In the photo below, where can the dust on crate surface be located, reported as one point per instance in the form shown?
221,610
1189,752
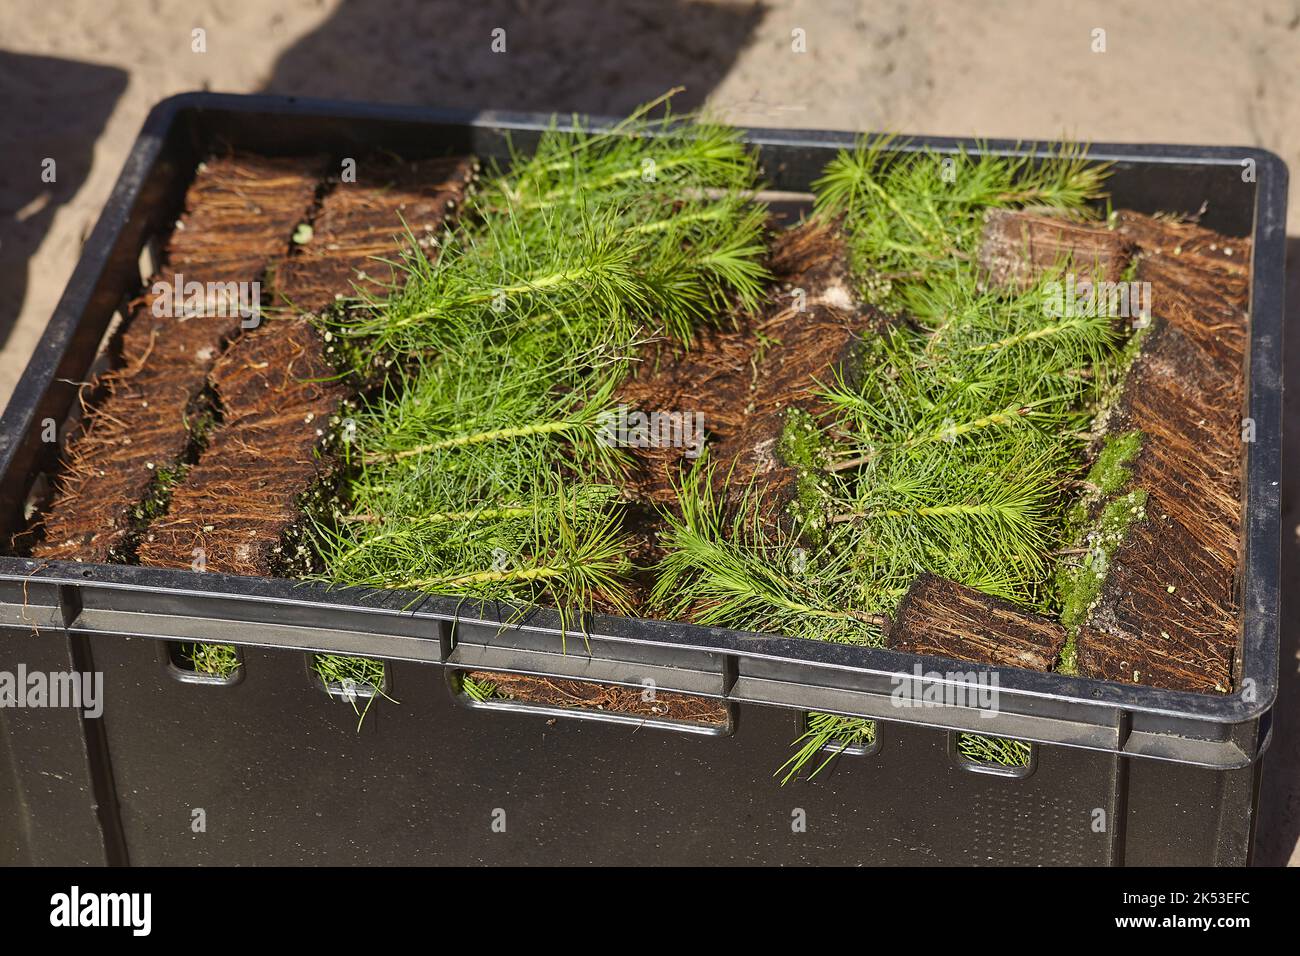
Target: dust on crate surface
210,440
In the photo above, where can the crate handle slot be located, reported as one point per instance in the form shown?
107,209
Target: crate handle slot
197,662
476,691
347,678
864,742
994,756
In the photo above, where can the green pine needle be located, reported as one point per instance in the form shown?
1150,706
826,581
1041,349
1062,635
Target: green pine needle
999,751
829,735
214,660
356,676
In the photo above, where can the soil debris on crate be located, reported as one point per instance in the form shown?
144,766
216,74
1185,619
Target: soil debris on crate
942,618
239,213
1166,614
277,387
1017,246
607,698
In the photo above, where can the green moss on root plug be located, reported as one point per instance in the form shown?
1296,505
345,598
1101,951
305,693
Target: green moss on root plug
157,499
1080,584
1079,579
1110,472
1109,475
801,440
801,446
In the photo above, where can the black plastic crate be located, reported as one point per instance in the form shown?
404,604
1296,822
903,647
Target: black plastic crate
1118,774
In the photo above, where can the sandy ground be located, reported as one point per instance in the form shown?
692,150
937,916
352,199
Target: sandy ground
77,78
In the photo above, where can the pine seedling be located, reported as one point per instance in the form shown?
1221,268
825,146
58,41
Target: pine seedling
950,444
520,426
563,546
671,154
478,690
724,567
966,420
355,677
649,222
214,660
829,735
957,510
993,366
421,544
488,441
912,217
579,272
999,751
